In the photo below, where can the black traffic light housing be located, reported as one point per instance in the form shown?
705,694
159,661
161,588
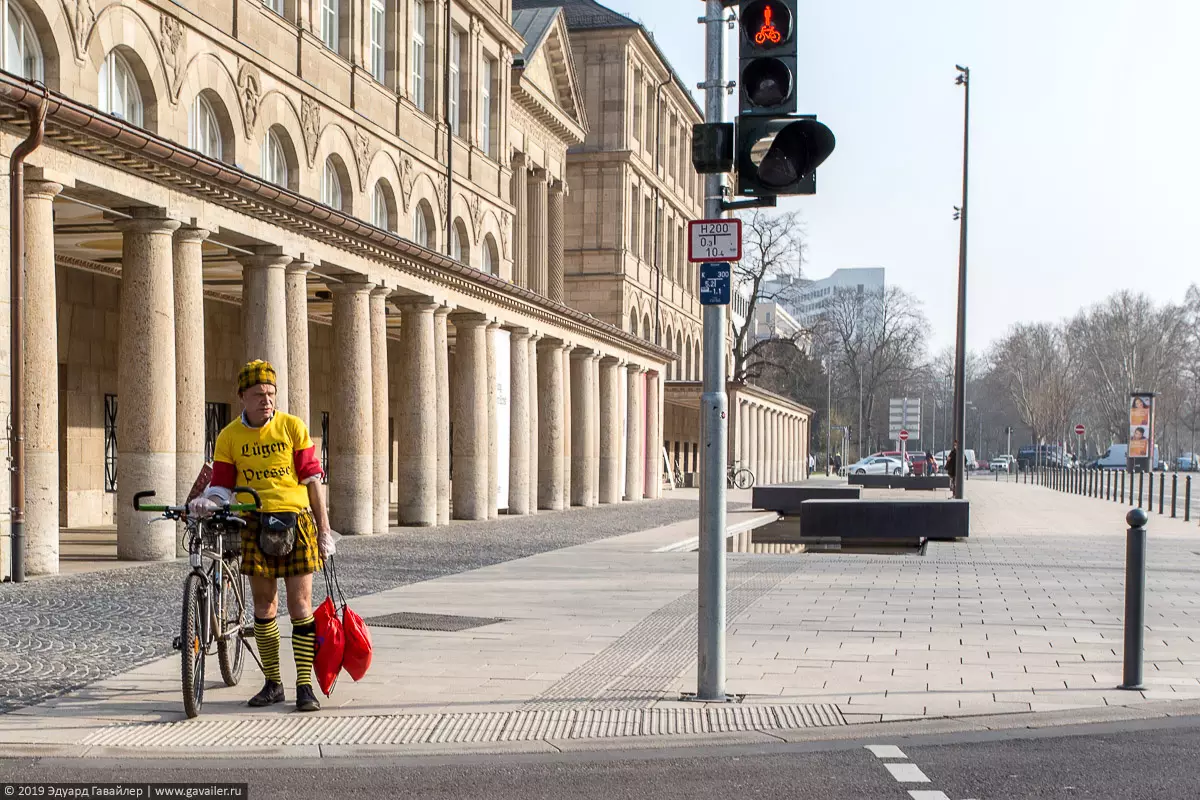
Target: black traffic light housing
780,155
767,56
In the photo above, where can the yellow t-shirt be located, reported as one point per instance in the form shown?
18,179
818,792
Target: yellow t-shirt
273,460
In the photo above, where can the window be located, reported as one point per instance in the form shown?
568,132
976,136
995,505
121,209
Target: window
110,443
423,225
119,92
635,228
674,159
274,160
378,38
330,13
331,185
455,81
22,53
648,239
204,132
460,246
487,106
417,90
491,256
216,417
275,5
637,104
633,322
381,207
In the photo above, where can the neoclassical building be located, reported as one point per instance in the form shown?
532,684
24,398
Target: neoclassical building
376,196
633,191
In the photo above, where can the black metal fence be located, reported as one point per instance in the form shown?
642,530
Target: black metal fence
1136,489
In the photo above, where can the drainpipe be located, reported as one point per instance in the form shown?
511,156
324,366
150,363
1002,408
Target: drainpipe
16,201
449,141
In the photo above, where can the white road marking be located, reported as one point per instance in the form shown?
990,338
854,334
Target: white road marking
907,773
925,794
886,751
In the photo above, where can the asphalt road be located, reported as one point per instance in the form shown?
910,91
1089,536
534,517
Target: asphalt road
1128,760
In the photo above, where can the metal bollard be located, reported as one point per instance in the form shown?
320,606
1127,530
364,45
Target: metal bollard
1135,599
1174,491
1141,487
1187,499
1162,488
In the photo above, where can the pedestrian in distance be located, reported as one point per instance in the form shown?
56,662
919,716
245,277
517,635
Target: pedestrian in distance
952,466
289,537
837,463
812,464
930,464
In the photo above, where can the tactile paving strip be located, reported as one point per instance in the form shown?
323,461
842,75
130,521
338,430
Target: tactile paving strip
483,728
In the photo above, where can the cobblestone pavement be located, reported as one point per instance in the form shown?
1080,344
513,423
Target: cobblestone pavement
59,634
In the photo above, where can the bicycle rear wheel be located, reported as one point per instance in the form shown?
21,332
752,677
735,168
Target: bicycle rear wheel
192,645
231,655
743,478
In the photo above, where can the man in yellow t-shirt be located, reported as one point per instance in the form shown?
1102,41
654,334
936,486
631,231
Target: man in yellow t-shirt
272,453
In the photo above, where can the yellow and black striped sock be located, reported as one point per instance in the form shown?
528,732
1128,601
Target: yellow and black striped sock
266,636
304,647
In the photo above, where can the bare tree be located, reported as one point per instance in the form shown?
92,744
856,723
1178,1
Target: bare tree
1036,366
770,271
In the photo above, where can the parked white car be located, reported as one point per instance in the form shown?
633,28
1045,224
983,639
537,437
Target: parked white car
877,465
1001,463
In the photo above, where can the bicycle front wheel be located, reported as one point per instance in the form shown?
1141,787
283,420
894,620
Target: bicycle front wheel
743,478
231,655
192,645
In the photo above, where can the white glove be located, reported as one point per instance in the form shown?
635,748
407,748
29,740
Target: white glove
326,543
203,506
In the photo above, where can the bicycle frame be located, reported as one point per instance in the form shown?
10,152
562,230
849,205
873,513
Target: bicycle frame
212,624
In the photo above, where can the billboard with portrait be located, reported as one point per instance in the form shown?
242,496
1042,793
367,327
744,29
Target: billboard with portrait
1141,429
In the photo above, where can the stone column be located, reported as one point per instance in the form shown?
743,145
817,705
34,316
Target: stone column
773,449
594,444
351,416
146,431
519,422
568,442
537,242
551,425
581,428
556,239
40,395
653,437
520,196
534,424
634,485
756,444
441,357
380,409
743,451
264,313
471,445
493,424
610,431
296,291
417,413
189,363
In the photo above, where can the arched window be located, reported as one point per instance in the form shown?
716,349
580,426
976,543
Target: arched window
670,364
633,322
460,245
696,360
687,361
383,207
646,327
423,225
491,255
204,129
22,53
331,185
274,160
119,92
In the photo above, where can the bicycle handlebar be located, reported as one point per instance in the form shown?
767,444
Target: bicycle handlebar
233,508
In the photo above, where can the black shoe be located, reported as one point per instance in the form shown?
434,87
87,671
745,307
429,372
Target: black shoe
306,700
270,694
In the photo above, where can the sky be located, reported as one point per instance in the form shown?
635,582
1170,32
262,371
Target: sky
1084,147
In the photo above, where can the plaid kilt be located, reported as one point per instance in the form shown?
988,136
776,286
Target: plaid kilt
304,559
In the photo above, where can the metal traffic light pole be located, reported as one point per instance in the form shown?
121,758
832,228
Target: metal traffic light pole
960,348
713,404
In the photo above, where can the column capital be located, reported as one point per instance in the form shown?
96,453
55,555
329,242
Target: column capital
442,311
299,265
517,332
188,233
416,302
548,343
494,325
519,160
42,189
580,353
557,187
382,291
539,175
353,284
146,220
469,319
610,361
634,369
264,258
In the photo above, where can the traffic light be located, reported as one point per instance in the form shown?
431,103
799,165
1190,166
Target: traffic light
777,151
767,54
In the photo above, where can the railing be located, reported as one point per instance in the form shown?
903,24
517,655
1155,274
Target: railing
1135,489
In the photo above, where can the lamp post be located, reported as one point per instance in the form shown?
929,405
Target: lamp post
960,347
829,416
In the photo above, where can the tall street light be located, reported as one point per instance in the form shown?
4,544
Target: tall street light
960,347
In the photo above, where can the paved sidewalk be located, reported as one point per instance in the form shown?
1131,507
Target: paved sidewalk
598,641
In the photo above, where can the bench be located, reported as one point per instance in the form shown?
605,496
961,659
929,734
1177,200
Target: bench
922,482
885,520
786,498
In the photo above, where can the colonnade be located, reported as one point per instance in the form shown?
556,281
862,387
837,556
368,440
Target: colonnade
770,441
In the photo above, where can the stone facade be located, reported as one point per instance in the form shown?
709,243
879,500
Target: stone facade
296,157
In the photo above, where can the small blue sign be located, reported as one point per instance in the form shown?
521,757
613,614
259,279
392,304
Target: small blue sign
715,283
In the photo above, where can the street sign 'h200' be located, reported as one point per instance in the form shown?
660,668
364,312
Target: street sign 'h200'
714,240
715,284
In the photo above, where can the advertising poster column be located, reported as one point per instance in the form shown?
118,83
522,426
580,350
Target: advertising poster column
1141,431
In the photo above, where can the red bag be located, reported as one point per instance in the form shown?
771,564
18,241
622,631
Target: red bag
331,645
358,644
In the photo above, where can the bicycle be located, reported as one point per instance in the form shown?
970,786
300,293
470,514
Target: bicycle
738,477
211,623
678,475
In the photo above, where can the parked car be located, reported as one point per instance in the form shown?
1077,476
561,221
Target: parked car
1187,463
1002,463
1116,457
909,457
1046,455
877,465
968,459
982,465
